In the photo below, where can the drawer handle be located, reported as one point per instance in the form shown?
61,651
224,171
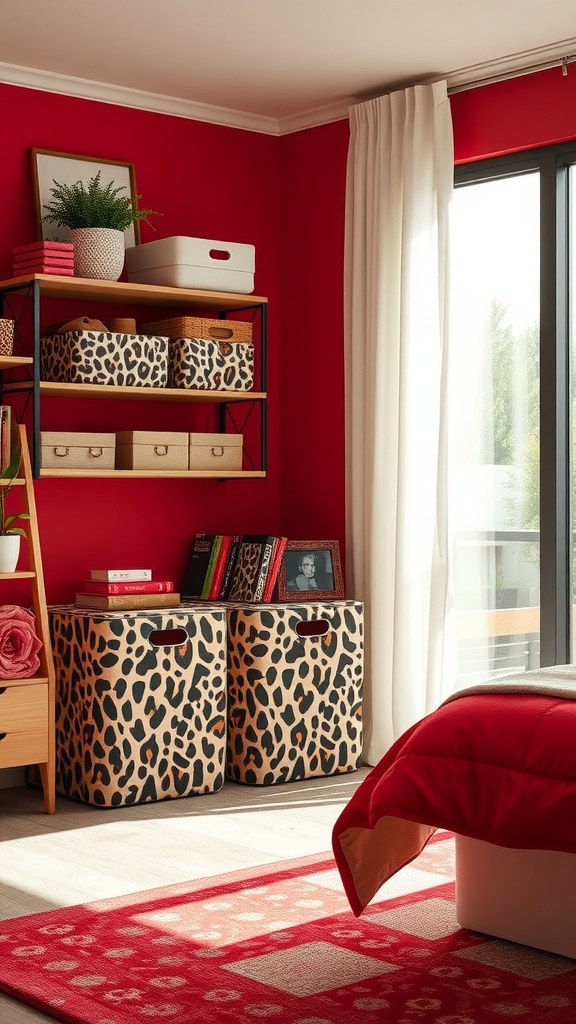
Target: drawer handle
3,690
61,453
218,452
161,449
95,453
3,736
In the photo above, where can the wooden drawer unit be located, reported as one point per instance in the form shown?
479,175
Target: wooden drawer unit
23,724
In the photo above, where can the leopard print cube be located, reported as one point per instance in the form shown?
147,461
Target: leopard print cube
94,357
140,714
294,700
205,364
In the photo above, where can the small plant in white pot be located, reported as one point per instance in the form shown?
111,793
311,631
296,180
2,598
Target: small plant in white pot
10,533
97,217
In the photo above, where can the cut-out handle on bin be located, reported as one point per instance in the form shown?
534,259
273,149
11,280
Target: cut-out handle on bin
313,627
169,637
219,254
221,333
161,449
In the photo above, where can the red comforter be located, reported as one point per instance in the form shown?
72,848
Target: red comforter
495,762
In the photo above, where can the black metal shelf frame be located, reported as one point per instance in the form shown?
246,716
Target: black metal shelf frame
30,386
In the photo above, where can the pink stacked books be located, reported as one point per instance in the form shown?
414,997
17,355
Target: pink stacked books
43,258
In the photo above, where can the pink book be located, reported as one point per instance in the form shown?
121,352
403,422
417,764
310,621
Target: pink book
45,259
42,268
44,247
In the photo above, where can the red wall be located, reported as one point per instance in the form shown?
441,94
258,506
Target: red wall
208,181
287,197
521,113
313,179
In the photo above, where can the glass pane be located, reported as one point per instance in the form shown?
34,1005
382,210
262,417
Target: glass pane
494,425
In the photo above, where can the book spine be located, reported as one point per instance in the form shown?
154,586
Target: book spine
219,568
117,602
211,566
152,587
121,575
229,567
64,247
279,549
264,569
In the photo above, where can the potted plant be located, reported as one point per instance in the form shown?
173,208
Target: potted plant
97,217
10,534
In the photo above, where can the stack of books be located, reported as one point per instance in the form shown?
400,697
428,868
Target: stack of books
43,258
126,589
239,567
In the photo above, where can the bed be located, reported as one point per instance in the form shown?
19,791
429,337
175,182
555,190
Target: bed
496,765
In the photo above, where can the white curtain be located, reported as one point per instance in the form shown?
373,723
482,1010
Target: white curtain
399,187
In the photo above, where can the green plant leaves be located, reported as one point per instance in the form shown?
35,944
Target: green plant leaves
94,206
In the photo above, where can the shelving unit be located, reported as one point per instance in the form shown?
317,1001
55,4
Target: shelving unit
33,288
27,706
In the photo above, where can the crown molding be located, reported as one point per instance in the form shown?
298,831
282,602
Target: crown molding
513,65
83,88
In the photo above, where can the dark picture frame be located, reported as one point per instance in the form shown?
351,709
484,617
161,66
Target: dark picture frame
323,556
48,166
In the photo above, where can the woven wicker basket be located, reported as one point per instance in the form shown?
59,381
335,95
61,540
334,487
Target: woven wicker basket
199,327
6,337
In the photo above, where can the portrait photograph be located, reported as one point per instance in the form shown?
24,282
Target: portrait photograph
310,570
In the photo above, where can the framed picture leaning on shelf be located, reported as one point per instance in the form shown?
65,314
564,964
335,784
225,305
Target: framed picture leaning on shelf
65,168
310,570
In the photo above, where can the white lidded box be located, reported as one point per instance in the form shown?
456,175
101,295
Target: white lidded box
215,451
181,261
70,450
151,449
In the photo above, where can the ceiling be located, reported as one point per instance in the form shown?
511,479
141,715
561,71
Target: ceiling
270,65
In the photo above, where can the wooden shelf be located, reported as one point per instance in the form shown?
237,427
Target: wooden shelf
52,285
9,362
181,474
141,394
35,287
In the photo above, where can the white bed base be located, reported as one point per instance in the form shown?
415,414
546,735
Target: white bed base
525,896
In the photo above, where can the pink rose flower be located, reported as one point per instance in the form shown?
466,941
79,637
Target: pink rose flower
19,644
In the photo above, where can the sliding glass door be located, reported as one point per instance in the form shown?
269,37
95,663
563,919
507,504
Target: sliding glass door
512,425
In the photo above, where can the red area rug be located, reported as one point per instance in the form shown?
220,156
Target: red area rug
280,944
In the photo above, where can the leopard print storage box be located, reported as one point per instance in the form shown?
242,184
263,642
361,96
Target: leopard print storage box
140,703
98,357
295,674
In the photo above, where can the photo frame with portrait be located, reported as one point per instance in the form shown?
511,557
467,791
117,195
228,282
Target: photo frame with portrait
310,570
48,166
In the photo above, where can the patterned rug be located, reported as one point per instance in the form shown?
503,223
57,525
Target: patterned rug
279,944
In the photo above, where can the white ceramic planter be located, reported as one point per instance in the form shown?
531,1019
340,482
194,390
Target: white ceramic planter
98,252
9,551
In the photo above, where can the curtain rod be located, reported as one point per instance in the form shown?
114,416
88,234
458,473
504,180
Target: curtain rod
558,62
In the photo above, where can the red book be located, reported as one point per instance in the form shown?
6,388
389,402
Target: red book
219,567
44,247
150,587
45,258
42,268
279,549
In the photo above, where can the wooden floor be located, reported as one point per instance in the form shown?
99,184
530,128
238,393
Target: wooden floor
82,853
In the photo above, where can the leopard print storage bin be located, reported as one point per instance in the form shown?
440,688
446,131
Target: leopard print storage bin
140,712
294,699
203,364
95,357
